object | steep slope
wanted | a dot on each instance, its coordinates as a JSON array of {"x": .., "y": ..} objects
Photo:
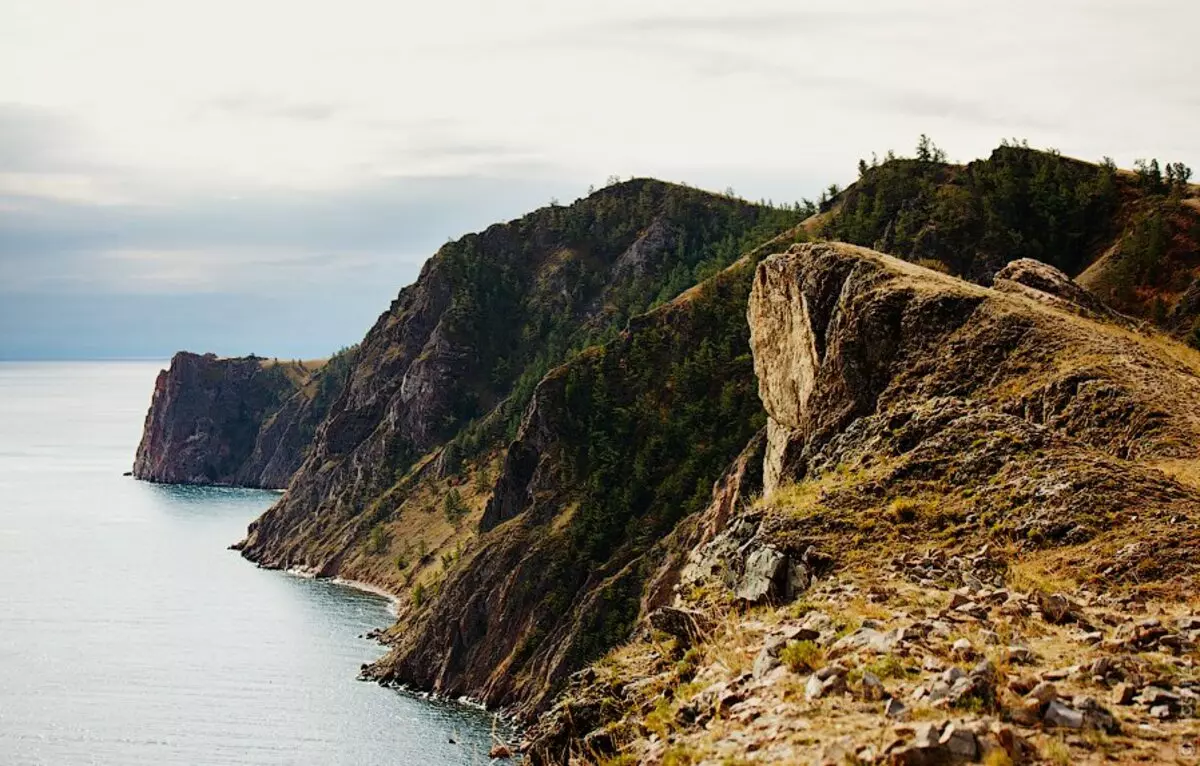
[
  {"x": 1134, "y": 238},
  {"x": 456, "y": 357},
  {"x": 243, "y": 421},
  {"x": 617, "y": 446},
  {"x": 924, "y": 435}
]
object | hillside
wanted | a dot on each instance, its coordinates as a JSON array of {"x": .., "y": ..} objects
[
  {"x": 1132, "y": 237},
  {"x": 965, "y": 539}
]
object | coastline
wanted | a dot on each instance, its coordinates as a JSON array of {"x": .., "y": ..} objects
[{"x": 366, "y": 587}]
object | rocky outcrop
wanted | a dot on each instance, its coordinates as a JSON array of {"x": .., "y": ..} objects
[
  {"x": 205, "y": 417},
  {"x": 242, "y": 421},
  {"x": 1044, "y": 283},
  {"x": 841, "y": 333}
]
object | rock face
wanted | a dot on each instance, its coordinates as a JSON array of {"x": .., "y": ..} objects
[
  {"x": 243, "y": 421},
  {"x": 1046, "y": 424}
]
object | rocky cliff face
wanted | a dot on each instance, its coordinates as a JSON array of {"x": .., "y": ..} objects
[{"x": 242, "y": 421}]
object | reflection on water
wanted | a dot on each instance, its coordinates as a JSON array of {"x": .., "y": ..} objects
[{"x": 130, "y": 634}]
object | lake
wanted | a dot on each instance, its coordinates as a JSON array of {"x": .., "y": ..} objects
[{"x": 129, "y": 634}]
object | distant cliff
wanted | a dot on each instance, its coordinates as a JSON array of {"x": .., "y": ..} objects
[{"x": 242, "y": 421}]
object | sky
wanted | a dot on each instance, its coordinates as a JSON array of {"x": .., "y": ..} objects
[{"x": 263, "y": 176}]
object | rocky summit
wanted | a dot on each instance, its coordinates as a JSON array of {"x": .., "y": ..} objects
[{"x": 908, "y": 476}]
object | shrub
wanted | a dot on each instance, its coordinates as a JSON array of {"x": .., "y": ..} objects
[
  {"x": 802, "y": 656},
  {"x": 378, "y": 541},
  {"x": 418, "y": 595},
  {"x": 454, "y": 506}
]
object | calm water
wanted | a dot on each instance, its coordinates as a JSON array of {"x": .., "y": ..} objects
[{"x": 130, "y": 635}]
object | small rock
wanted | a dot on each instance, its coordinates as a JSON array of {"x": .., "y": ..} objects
[
  {"x": 1044, "y": 692},
  {"x": 499, "y": 750},
  {"x": 872, "y": 687},
  {"x": 1123, "y": 694},
  {"x": 1058, "y": 714},
  {"x": 962, "y": 648},
  {"x": 813, "y": 688},
  {"x": 895, "y": 709},
  {"x": 959, "y": 741}
]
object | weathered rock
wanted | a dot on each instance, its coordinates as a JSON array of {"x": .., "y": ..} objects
[
  {"x": 959, "y": 742},
  {"x": 1059, "y": 714},
  {"x": 1045, "y": 692},
  {"x": 895, "y": 709}
]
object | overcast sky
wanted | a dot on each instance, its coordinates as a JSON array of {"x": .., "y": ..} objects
[{"x": 263, "y": 175}]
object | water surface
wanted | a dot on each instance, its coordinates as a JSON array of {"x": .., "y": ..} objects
[{"x": 130, "y": 635}]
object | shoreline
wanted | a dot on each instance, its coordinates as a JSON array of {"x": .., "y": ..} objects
[
  {"x": 366, "y": 587},
  {"x": 505, "y": 716}
]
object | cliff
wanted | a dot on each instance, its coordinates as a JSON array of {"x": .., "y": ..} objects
[
  {"x": 242, "y": 421},
  {"x": 958, "y": 484}
]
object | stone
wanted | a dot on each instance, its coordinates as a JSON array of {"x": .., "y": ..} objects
[
  {"x": 1045, "y": 692},
  {"x": 1123, "y": 694},
  {"x": 872, "y": 687},
  {"x": 813, "y": 688},
  {"x": 1058, "y": 714},
  {"x": 895, "y": 709},
  {"x": 962, "y": 648},
  {"x": 959, "y": 741}
]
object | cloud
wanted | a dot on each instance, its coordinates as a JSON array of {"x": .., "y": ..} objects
[{"x": 246, "y": 104}]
